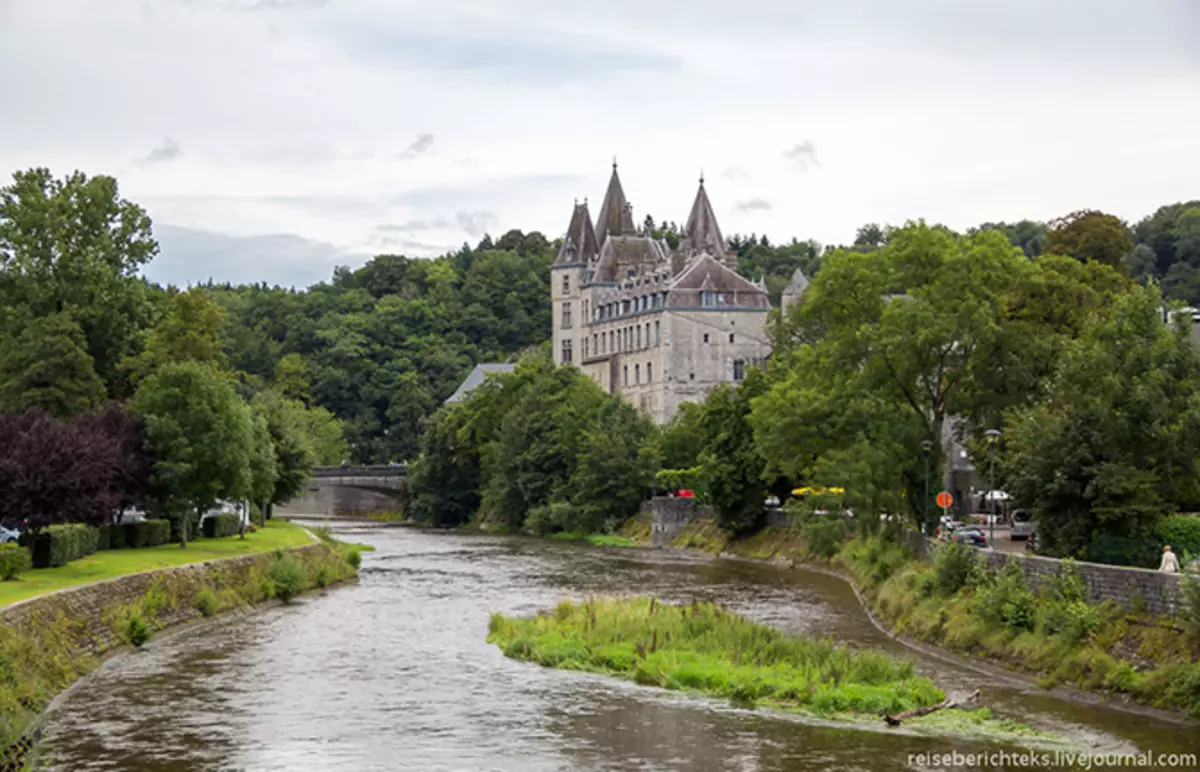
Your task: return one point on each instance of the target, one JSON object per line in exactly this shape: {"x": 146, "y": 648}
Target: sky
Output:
{"x": 271, "y": 140}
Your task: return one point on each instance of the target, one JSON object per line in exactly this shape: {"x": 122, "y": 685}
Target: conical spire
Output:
{"x": 579, "y": 245}
{"x": 616, "y": 215}
{"x": 702, "y": 233}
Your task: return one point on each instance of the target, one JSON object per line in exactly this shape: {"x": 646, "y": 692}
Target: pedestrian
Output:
{"x": 1170, "y": 563}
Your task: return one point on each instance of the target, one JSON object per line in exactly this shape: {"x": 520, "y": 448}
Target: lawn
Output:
{"x": 110, "y": 564}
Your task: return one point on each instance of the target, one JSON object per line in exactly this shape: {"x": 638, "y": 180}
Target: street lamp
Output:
{"x": 992, "y": 435}
{"x": 927, "y": 446}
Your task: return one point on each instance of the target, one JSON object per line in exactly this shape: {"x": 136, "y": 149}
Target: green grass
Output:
{"x": 705, "y": 649}
{"x": 598, "y": 539}
{"x": 110, "y": 564}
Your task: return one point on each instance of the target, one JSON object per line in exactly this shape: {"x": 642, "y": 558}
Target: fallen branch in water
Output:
{"x": 895, "y": 720}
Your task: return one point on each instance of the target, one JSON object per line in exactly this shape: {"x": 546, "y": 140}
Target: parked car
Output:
{"x": 969, "y": 535}
{"x": 948, "y": 526}
{"x": 8, "y": 535}
{"x": 1022, "y": 526}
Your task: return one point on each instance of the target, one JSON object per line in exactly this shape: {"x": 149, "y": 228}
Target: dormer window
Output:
{"x": 708, "y": 299}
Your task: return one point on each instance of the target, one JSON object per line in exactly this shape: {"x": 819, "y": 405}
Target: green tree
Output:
{"x": 286, "y": 424}
{"x": 1089, "y": 236}
{"x": 48, "y": 367}
{"x": 1113, "y": 447}
{"x": 683, "y": 437}
{"x": 191, "y": 332}
{"x": 732, "y": 468}
{"x": 264, "y": 466}
{"x": 201, "y": 435}
{"x": 291, "y": 377}
{"x": 615, "y": 468}
{"x": 73, "y": 245}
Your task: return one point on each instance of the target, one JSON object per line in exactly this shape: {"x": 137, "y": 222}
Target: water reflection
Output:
{"x": 394, "y": 673}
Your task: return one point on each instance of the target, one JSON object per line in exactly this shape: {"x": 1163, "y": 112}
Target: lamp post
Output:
{"x": 992, "y": 435}
{"x": 927, "y": 446}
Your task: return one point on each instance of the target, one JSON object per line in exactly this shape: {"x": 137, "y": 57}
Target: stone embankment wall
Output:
{"x": 670, "y": 516}
{"x": 1154, "y": 591}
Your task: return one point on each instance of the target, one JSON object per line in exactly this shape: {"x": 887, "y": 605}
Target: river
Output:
{"x": 394, "y": 673}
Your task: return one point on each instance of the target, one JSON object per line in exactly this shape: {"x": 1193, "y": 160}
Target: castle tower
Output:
{"x": 570, "y": 304}
{"x": 616, "y": 214}
{"x": 794, "y": 290}
{"x": 702, "y": 234}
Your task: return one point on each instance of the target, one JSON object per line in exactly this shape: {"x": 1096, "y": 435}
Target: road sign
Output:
{"x": 944, "y": 500}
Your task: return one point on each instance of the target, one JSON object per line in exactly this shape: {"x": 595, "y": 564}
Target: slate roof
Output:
{"x": 616, "y": 215}
{"x": 477, "y": 377}
{"x": 579, "y": 245}
{"x": 619, "y": 253}
{"x": 798, "y": 284}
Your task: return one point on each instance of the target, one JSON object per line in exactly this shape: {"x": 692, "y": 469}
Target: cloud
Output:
{"x": 753, "y": 204}
{"x": 803, "y": 155}
{"x": 475, "y": 223}
{"x": 420, "y": 146}
{"x": 735, "y": 173}
{"x": 169, "y": 150}
{"x": 189, "y": 256}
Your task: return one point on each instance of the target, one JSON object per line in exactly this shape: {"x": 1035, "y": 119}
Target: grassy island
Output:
{"x": 704, "y": 648}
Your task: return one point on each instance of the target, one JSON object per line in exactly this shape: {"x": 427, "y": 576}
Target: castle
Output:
{"x": 657, "y": 325}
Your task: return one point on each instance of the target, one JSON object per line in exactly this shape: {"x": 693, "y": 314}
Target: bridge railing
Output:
{"x": 360, "y": 471}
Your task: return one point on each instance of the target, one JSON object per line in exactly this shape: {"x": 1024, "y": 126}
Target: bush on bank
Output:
{"x": 1053, "y": 632}
{"x": 60, "y": 544}
{"x": 220, "y": 526}
{"x": 14, "y": 561}
{"x": 57, "y": 645}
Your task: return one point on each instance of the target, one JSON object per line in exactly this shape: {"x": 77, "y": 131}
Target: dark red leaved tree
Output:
{"x": 52, "y": 472}
{"x": 129, "y": 478}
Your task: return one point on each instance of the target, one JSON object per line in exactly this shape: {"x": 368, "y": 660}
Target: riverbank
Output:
{"x": 111, "y": 564}
{"x": 1059, "y": 642}
{"x": 48, "y": 642}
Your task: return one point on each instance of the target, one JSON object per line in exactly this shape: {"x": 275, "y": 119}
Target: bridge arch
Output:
{"x": 350, "y": 490}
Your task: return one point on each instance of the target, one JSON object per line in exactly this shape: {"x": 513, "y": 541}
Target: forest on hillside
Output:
{"x": 382, "y": 345}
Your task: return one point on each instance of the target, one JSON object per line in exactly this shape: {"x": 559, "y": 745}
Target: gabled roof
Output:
{"x": 702, "y": 233}
{"x": 616, "y": 216}
{"x": 619, "y": 252}
{"x": 798, "y": 284}
{"x": 709, "y": 273}
{"x": 579, "y": 245}
{"x": 476, "y": 378}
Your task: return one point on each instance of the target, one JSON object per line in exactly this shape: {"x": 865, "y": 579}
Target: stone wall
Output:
{"x": 1159, "y": 593}
{"x": 670, "y": 516}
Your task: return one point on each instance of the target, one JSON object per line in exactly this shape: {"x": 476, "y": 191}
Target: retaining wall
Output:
{"x": 1159, "y": 592}
{"x": 670, "y": 516}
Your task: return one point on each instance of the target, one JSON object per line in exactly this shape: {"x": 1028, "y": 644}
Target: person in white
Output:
{"x": 1170, "y": 563}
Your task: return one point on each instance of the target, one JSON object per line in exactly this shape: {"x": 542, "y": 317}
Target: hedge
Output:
{"x": 220, "y": 526}
{"x": 176, "y": 521}
{"x": 1182, "y": 532}
{"x": 147, "y": 533}
{"x": 112, "y": 537}
{"x": 60, "y": 544}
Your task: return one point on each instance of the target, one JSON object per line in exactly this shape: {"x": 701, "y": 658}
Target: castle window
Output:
{"x": 706, "y": 337}
{"x": 731, "y": 337}
{"x": 637, "y": 374}
{"x": 630, "y": 273}
{"x": 708, "y": 298}
{"x": 691, "y": 376}
{"x": 584, "y": 314}
{"x": 657, "y": 337}
{"x": 639, "y": 336}
{"x": 586, "y": 342}
{"x": 625, "y": 374}
{"x": 612, "y": 341}
{"x": 603, "y": 344}
{"x": 566, "y": 352}
{"x": 566, "y": 283}
{"x": 649, "y": 373}
{"x": 566, "y": 316}
{"x": 647, "y": 333}
{"x": 739, "y": 369}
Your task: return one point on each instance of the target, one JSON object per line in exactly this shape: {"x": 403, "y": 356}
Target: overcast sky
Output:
{"x": 271, "y": 140}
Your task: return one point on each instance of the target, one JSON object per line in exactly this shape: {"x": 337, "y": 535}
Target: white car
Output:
{"x": 9, "y": 535}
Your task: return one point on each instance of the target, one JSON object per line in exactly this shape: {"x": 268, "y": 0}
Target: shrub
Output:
{"x": 135, "y": 630}
{"x": 112, "y": 537}
{"x": 220, "y": 526}
{"x": 1143, "y": 552}
{"x": 1074, "y": 621}
{"x": 1068, "y": 585}
{"x": 322, "y": 577}
{"x": 956, "y": 565}
{"x": 1190, "y": 612}
{"x": 14, "y": 561}
{"x": 354, "y": 558}
{"x": 60, "y": 544}
{"x": 147, "y": 533}
{"x": 824, "y": 534}
{"x": 176, "y": 522}
{"x": 1182, "y": 532}
{"x": 206, "y": 602}
{"x": 1005, "y": 599}
{"x": 289, "y": 578}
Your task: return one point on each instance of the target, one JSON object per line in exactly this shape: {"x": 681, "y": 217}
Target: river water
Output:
{"x": 394, "y": 673}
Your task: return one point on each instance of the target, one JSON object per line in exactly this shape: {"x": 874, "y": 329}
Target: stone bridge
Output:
{"x": 350, "y": 490}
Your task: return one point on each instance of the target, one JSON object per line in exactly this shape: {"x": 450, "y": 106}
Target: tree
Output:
{"x": 1114, "y": 446}
{"x": 871, "y": 236}
{"x": 48, "y": 367}
{"x": 683, "y": 437}
{"x": 73, "y": 245}
{"x": 55, "y": 472}
{"x": 615, "y": 468}
{"x": 191, "y": 332}
{"x": 285, "y": 422}
{"x": 264, "y": 467}
{"x": 131, "y": 466}
{"x": 1089, "y": 236}
{"x": 732, "y": 468}
{"x": 201, "y": 435}
{"x": 291, "y": 377}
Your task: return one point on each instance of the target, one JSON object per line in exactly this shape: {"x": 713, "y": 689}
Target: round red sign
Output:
{"x": 944, "y": 500}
